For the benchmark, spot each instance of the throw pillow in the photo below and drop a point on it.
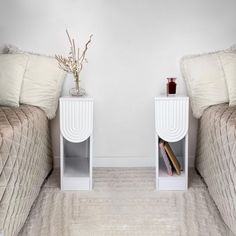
(205, 81)
(12, 68)
(42, 82)
(229, 66)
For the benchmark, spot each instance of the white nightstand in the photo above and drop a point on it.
(171, 125)
(76, 142)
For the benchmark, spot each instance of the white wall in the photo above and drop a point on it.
(136, 45)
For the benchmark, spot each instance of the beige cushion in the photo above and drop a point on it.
(229, 66)
(42, 84)
(205, 81)
(12, 68)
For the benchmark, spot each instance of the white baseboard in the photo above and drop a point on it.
(122, 161)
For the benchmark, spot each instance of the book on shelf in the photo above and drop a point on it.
(174, 161)
(165, 158)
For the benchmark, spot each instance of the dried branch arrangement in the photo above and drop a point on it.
(76, 59)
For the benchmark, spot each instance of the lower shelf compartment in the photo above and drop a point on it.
(76, 174)
(76, 164)
(171, 182)
(76, 167)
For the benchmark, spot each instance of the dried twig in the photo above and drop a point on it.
(85, 49)
(74, 62)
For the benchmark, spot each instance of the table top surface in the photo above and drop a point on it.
(71, 98)
(175, 97)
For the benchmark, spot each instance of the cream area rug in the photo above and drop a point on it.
(124, 203)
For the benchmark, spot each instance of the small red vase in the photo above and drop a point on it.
(171, 86)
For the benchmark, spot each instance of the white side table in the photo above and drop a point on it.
(76, 142)
(171, 125)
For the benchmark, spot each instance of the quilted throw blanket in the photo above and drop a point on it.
(25, 161)
(216, 158)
